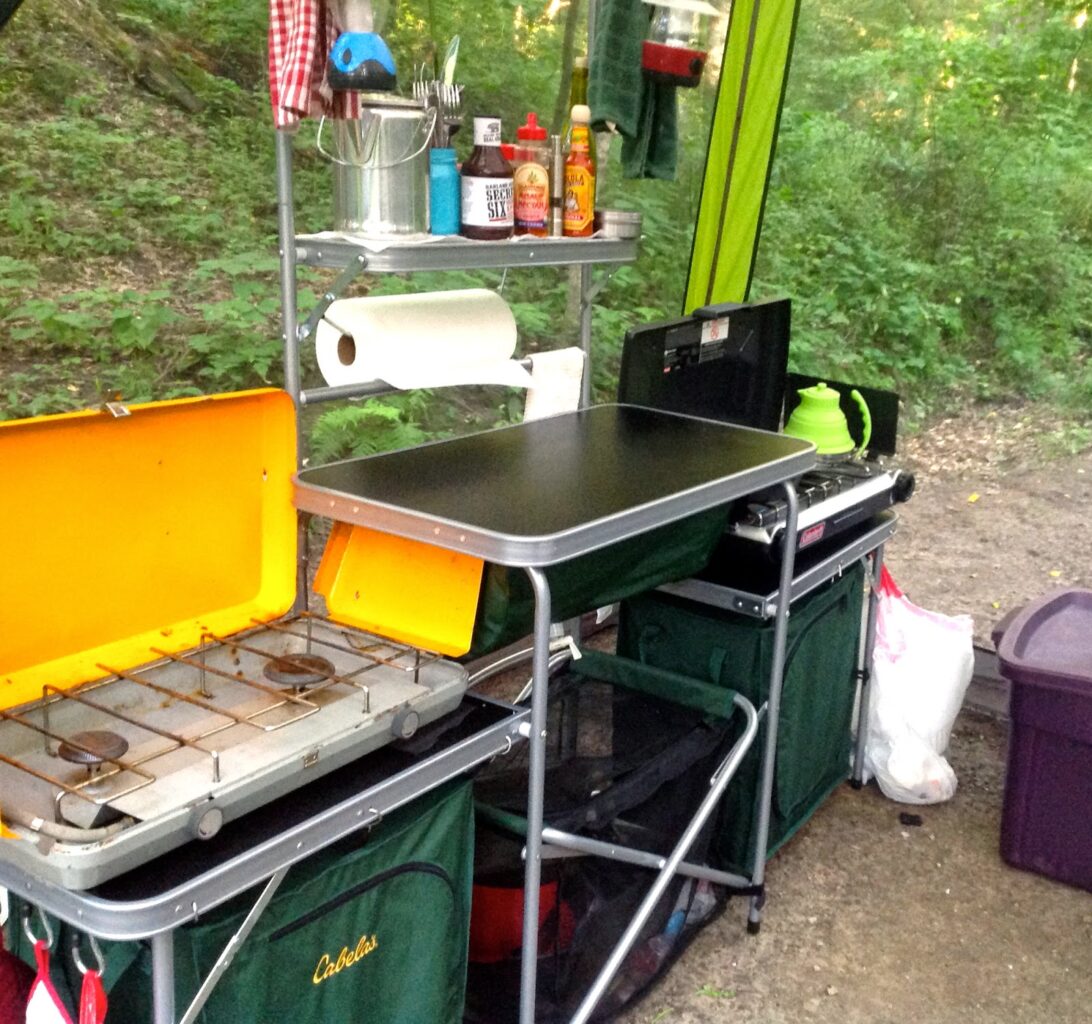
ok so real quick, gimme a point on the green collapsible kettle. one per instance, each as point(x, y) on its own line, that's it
point(819, 419)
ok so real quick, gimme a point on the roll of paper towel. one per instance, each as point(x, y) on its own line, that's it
point(420, 341)
point(555, 383)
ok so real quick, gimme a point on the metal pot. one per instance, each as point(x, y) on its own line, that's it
point(380, 164)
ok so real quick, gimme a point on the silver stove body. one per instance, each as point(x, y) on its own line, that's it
point(833, 497)
point(210, 737)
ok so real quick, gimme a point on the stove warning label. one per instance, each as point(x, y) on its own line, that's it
point(714, 338)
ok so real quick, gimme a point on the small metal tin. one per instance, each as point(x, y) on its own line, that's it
point(618, 223)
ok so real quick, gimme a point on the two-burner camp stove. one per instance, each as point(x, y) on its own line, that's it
point(833, 498)
point(730, 363)
point(152, 684)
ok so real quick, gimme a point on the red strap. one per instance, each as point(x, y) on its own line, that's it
point(41, 956)
point(44, 1005)
point(888, 586)
point(92, 999)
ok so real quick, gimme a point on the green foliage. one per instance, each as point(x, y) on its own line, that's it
point(375, 426)
point(930, 212)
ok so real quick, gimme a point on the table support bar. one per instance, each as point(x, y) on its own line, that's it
point(719, 782)
point(582, 845)
point(866, 672)
point(540, 675)
point(163, 977)
point(233, 946)
point(773, 706)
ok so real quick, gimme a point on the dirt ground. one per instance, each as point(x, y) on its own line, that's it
point(998, 518)
point(869, 921)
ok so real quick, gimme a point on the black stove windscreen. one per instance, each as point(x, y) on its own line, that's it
point(722, 363)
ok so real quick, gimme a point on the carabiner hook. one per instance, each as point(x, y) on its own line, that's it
point(100, 960)
point(34, 940)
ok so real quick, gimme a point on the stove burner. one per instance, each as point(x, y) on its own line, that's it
point(299, 670)
point(93, 747)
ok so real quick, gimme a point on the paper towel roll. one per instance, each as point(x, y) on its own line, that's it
point(426, 340)
point(555, 383)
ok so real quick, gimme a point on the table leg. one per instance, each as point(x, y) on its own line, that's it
point(586, 332)
point(535, 785)
point(163, 978)
point(773, 707)
point(866, 672)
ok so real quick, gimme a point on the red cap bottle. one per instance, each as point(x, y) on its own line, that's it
point(532, 179)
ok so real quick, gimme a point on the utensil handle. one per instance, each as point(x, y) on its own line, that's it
point(866, 417)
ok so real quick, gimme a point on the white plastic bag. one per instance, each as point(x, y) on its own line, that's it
point(921, 666)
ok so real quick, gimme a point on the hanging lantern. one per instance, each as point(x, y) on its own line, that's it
point(676, 47)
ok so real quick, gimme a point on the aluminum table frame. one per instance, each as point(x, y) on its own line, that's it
point(534, 456)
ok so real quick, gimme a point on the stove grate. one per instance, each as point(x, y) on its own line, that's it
point(134, 772)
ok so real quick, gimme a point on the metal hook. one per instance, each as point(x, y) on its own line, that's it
point(34, 940)
point(100, 960)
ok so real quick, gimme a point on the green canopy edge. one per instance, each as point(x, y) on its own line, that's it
point(739, 160)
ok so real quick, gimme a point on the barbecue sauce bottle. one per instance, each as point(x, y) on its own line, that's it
point(487, 185)
point(579, 206)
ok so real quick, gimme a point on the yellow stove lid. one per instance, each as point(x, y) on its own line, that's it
point(121, 535)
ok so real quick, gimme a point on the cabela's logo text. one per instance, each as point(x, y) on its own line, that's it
point(327, 967)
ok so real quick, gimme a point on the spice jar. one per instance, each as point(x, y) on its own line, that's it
point(487, 185)
point(531, 181)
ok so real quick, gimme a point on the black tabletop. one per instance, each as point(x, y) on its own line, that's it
point(547, 490)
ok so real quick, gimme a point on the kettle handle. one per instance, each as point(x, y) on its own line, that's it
point(866, 419)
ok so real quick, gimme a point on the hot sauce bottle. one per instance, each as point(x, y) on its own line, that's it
point(579, 205)
point(487, 185)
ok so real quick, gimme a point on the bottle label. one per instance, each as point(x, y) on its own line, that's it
point(487, 131)
point(531, 186)
point(487, 202)
point(579, 199)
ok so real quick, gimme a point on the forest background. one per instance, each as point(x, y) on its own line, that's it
point(930, 212)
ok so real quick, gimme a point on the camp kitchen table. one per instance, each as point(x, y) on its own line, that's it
point(537, 494)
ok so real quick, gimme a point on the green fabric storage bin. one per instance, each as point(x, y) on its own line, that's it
point(506, 604)
point(817, 698)
point(373, 930)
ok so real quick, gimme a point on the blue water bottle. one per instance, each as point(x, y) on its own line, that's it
point(443, 192)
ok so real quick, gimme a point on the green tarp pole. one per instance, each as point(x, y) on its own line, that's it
point(754, 72)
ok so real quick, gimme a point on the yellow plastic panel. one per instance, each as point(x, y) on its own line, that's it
point(332, 555)
point(119, 535)
point(402, 589)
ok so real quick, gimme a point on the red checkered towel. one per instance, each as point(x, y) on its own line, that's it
point(301, 33)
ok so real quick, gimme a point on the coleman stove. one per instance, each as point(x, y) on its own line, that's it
point(832, 498)
point(153, 684)
point(730, 362)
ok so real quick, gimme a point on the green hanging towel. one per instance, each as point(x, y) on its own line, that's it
point(643, 112)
